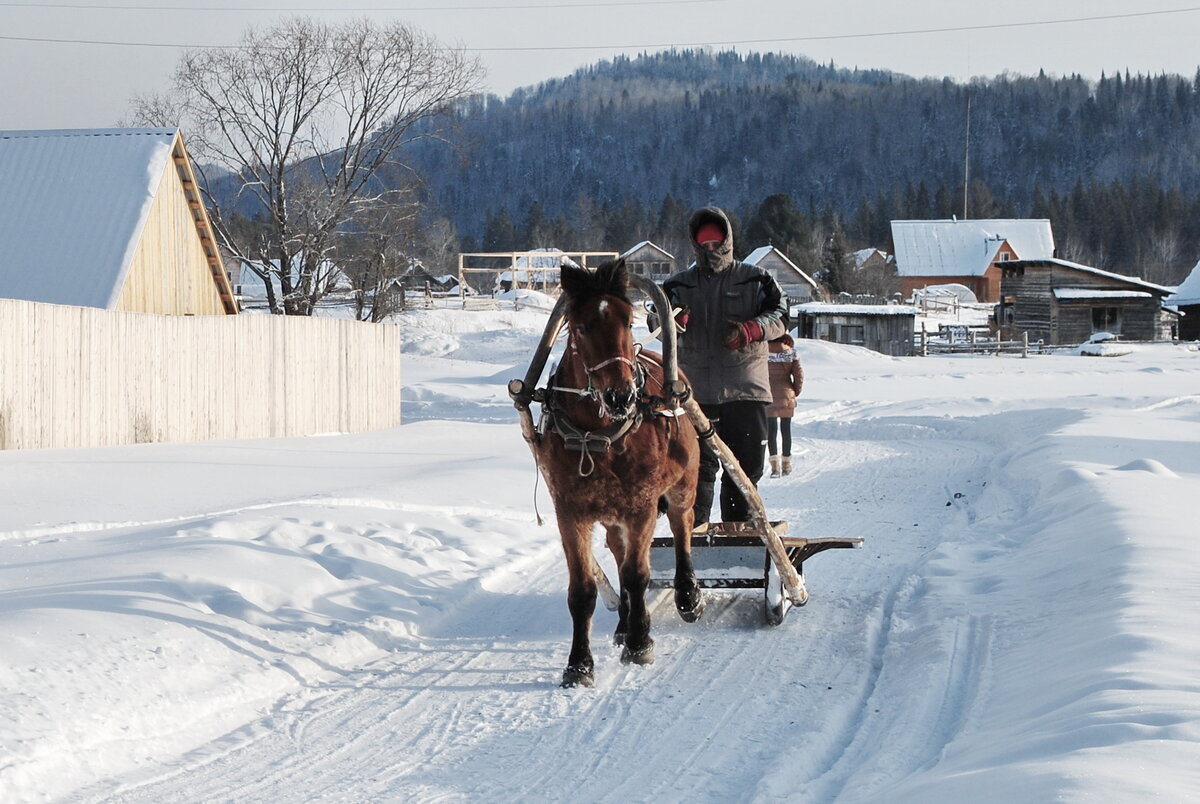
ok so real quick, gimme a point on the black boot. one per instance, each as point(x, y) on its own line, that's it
point(734, 507)
point(703, 505)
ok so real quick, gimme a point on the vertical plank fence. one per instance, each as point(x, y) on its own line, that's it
point(82, 377)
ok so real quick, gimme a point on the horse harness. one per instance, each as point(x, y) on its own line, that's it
point(600, 440)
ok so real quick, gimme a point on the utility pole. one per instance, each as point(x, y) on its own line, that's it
point(967, 156)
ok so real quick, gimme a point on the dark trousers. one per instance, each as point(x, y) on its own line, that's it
point(779, 433)
point(743, 428)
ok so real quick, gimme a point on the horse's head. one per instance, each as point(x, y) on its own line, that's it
point(600, 350)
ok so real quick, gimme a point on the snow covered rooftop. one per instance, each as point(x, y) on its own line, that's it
point(72, 205)
point(1087, 269)
point(822, 308)
point(966, 248)
point(1189, 291)
point(1089, 293)
point(759, 254)
point(647, 243)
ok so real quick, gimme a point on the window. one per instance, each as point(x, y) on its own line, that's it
point(1106, 319)
point(850, 333)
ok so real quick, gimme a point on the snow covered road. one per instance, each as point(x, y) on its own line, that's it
point(379, 618)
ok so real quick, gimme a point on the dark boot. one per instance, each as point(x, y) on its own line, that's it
point(703, 505)
point(734, 507)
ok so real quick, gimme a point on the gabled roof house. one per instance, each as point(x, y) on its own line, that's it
point(967, 252)
point(799, 286)
point(650, 260)
point(107, 218)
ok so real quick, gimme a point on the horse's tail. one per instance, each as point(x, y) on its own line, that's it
point(663, 505)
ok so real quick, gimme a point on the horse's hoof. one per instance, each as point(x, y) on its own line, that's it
point(619, 638)
point(690, 605)
point(578, 677)
point(643, 656)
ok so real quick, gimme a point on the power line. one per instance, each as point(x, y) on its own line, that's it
point(641, 46)
point(405, 9)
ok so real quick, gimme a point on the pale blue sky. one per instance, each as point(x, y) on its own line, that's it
point(58, 84)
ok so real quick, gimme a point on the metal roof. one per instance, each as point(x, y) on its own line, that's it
point(73, 204)
point(967, 247)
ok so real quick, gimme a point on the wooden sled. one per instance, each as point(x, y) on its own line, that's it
point(732, 555)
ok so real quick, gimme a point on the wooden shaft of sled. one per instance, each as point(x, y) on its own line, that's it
point(792, 583)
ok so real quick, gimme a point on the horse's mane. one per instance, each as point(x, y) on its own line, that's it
point(611, 278)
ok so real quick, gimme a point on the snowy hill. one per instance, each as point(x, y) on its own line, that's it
point(378, 617)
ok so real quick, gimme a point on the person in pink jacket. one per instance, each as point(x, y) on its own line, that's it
point(787, 380)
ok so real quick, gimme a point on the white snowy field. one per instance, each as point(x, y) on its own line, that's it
point(378, 617)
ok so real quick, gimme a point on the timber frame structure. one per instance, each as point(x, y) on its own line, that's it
point(534, 265)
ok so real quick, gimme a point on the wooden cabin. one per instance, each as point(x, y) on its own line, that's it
point(1186, 300)
point(966, 252)
point(884, 328)
point(650, 260)
point(107, 218)
point(1061, 303)
point(799, 286)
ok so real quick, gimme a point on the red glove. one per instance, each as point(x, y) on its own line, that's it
point(742, 334)
point(681, 319)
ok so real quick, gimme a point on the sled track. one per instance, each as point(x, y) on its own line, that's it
point(473, 712)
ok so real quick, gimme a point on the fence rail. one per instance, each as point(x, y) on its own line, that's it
point(81, 377)
point(926, 344)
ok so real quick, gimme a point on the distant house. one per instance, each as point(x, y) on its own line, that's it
point(885, 328)
point(650, 260)
point(1186, 299)
point(870, 259)
point(1060, 302)
point(799, 286)
point(107, 218)
point(967, 252)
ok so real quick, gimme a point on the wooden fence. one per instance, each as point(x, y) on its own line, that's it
point(81, 377)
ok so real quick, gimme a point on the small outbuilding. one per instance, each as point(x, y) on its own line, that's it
point(1186, 299)
point(107, 218)
point(799, 286)
point(884, 328)
point(1060, 303)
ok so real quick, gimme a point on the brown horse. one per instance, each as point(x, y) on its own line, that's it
point(611, 453)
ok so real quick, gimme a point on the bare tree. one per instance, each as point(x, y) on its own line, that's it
point(304, 116)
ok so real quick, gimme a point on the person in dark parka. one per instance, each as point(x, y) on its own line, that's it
point(728, 312)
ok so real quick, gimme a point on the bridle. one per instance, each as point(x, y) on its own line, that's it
point(601, 439)
point(594, 393)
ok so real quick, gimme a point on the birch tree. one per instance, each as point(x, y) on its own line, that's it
point(305, 116)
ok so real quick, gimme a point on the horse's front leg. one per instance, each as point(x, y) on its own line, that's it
point(689, 600)
point(581, 601)
point(614, 536)
point(635, 579)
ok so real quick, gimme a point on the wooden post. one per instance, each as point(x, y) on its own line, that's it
point(1025, 343)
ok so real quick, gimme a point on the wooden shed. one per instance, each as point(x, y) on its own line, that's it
point(1060, 302)
point(799, 286)
point(107, 218)
point(885, 328)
